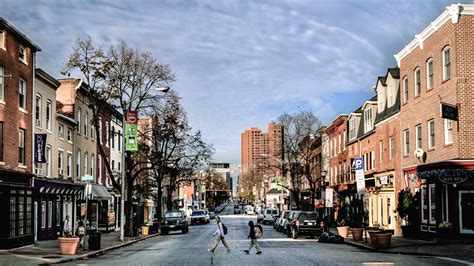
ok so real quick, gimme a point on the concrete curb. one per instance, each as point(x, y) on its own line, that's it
point(367, 247)
point(100, 252)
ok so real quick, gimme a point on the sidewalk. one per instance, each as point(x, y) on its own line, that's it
point(47, 252)
point(407, 246)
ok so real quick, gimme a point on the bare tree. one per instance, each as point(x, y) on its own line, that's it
point(300, 132)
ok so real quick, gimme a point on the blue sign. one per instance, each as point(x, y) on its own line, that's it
point(359, 163)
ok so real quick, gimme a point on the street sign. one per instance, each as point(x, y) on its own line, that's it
point(131, 137)
point(329, 197)
point(131, 117)
point(359, 175)
point(87, 178)
point(449, 111)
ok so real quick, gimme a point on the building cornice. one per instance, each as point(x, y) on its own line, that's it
point(452, 13)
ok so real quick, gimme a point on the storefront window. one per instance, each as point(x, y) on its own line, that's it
point(432, 204)
point(43, 214)
point(29, 203)
point(21, 217)
point(424, 203)
point(445, 203)
point(13, 215)
point(50, 213)
point(58, 213)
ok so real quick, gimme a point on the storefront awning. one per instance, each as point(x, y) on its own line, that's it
point(100, 193)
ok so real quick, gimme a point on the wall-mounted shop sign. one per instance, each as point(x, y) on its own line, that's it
point(449, 112)
point(452, 179)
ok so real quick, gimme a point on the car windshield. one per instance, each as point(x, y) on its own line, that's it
point(274, 212)
point(195, 213)
point(308, 216)
point(172, 214)
point(285, 214)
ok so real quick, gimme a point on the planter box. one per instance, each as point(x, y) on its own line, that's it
point(343, 231)
point(68, 245)
point(357, 233)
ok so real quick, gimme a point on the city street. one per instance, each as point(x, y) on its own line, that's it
point(191, 249)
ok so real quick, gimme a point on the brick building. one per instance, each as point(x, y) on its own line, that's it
point(437, 121)
point(17, 75)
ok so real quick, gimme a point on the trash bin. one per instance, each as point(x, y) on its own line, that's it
point(94, 241)
point(145, 230)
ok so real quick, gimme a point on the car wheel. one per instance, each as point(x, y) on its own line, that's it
point(185, 230)
point(294, 233)
point(164, 232)
point(192, 223)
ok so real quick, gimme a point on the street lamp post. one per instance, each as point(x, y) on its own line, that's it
point(124, 171)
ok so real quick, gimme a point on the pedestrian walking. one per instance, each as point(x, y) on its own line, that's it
point(254, 233)
point(67, 226)
point(219, 235)
point(81, 232)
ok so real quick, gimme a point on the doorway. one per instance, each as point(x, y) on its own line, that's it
point(386, 208)
point(466, 211)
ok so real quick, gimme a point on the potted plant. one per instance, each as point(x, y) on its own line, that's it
point(383, 239)
point(372, 231)
point(68, 243)
point(342, 229)
point(356, 228)
point(444, 230)
point(404, 209)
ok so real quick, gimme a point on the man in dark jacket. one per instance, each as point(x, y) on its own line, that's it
point(253, 239)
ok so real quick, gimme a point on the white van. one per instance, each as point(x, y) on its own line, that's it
point(269, 214)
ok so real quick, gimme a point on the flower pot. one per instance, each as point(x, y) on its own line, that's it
point(343, 231)
point(372, 236)
point(383, 240)
point(357, 233)
point(68, 245)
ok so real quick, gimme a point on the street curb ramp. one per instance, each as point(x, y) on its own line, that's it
point(100, 252)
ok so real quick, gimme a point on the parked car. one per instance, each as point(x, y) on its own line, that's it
point(199, 216)
point(279, 221)
point(304, 223)
point(249, 210)
point(237, 209)
point(286, 223)
point(212, 215)
point(174, 221)
point(268, 215)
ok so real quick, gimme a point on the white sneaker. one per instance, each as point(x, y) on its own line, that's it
point(212, 251)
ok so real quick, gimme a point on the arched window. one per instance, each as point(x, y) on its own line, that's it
point(429, 74)
point(446, 63)
point(405, 89)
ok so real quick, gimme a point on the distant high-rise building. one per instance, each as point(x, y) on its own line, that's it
point(261, 152)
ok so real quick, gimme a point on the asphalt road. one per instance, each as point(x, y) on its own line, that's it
point(191, 249)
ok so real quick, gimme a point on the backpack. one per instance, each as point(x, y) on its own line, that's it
point(81, 231)
point(224, 228)
point(258, 231)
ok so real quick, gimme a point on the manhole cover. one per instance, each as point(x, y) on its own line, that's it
point(52, 257)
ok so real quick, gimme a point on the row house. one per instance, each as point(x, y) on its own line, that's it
point(17, 75)
point(436, 69)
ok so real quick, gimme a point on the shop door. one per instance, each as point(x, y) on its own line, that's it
point(386, 207)
point(466, 212)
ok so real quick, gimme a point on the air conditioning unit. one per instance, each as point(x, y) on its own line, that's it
point(38, 171)
point(60, 171)
point(420, 154)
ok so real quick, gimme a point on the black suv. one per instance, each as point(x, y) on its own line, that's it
point(303, 223)
point(174, 221)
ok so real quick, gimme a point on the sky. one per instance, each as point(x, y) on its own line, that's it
point(240, 64)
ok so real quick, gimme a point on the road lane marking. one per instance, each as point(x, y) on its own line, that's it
point(465, 262)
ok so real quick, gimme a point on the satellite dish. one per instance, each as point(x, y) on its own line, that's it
point(420, 154)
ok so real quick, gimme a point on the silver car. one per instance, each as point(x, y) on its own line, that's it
point(279, 222)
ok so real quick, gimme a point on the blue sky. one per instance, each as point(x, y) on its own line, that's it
point(241, 64)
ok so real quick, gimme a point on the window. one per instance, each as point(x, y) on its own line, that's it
point(99, 164)
point(418, 143)
point(48, 161)
point(43, 214)
point(417, 82)
point(86, 123)
point(69, 135)
point(1, 141)
point(60, 131)
point(405, 89)
point(429, 74)
point(340, 143)
point(344, 141)
point(113, 137)
point(2, 78)
point(22, 94)
point(391, 143)
point(78, 117)
point(368, 120)
point(22, 53)
point(381, 150)
point(49, 115)
point(372, 159)
point(60, 162)
point(69, 164)
point(2, 39)
point(38, 110)
point(431, 134)
point(446, 63)
point(12, 215)
point(92, 165)
point(406, 142)
point(78, 164)
point(352, 128)
point(366, 161)
point(448, 131)
point(428, 203)
point(107, 134)
point(330, 149)
point(99, 138)
point(50, 213)
point(86, 165)
point(21, 214)
point(21, 146)
point(119, 142)
point(29, 207)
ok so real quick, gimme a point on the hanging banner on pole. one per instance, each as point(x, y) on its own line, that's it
point(40, 148)
point(329, 197)
point(131, 131)
point(359, 175)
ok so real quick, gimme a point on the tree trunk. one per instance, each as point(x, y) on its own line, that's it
point(169, 200)
point(159, 214)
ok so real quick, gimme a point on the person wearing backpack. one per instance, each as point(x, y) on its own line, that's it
point(81, 232)
point(219, 235)
point(255, 232)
